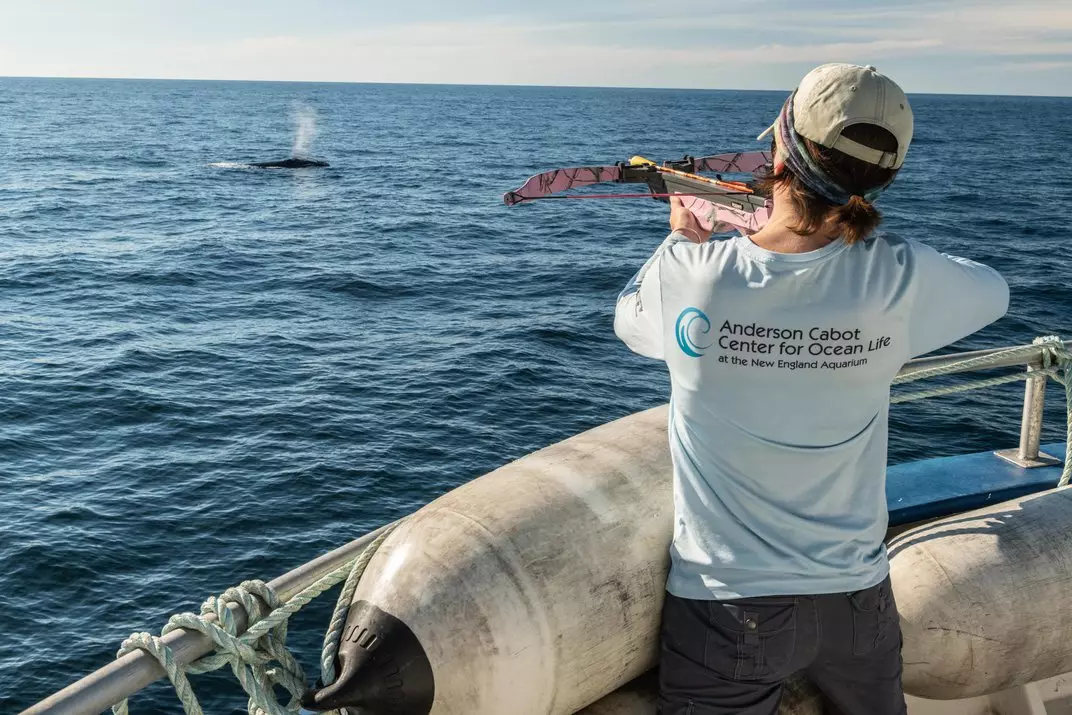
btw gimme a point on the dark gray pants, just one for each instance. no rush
(722, 657)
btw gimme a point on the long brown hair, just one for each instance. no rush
(855, 220)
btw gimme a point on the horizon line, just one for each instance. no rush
(484, 84)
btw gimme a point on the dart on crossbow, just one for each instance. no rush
(714, 201)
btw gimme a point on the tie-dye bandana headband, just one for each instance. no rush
(801, 163)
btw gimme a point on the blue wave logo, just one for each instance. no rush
(687, 327)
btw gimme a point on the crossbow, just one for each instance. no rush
(713, 201)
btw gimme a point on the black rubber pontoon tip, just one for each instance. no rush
(382, 668)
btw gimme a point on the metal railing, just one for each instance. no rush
(125, 676)
(1026, 454)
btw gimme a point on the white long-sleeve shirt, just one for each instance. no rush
(780, 367)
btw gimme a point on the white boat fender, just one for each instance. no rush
(983, 597)
(534, 589)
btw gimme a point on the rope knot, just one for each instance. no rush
(249, 655)
(259, 657)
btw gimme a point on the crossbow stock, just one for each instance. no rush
(713, 201)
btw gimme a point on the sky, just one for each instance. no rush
(952, 46)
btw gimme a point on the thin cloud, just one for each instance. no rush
(938, 46)
(1041, 66)
(442, 51)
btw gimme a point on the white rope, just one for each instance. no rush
(259, 657)
(333, 635)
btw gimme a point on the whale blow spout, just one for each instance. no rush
(291, 163)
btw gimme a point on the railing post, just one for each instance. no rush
(1031, 422)
(1027, 455)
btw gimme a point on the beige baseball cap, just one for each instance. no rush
(834, 96)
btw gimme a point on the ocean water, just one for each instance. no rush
(210, 373)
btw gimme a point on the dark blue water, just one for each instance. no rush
(209, 374)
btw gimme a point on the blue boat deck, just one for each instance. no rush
(933, 488)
